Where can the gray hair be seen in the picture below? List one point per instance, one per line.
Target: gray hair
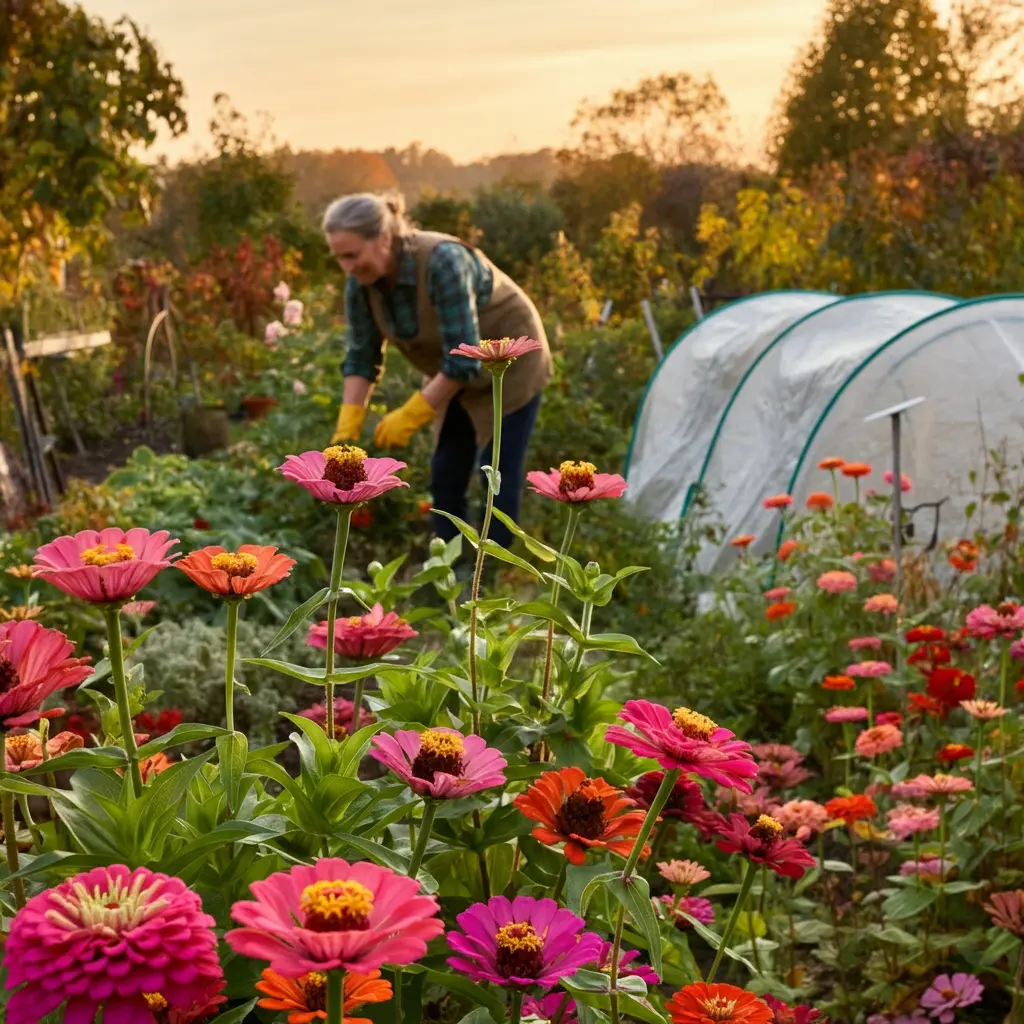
(367, 215)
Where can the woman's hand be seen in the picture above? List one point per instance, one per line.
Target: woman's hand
(396, 429)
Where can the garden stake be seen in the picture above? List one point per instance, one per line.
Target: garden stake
(337, 565)
(10, 830)
(116, 656)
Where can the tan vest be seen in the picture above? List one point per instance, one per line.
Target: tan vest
(508, 314)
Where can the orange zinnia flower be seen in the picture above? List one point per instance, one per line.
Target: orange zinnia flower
(819, 501)
(786, 548)
(851, 808)
(306, 997)
(743, 541)
(151, 767)
(779, 610)
(839, 683)
(831, 463)
(234, 574)
(962, 564)
(855, 469)
(701, 1003)
(581, 813)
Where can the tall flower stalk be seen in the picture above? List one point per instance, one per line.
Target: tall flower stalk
(734, 917)
(229, 670)
(10, 829)
(567, 539)
(337, 566)
(335, 997)
(115, 645)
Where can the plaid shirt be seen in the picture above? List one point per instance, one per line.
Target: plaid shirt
(458, 285)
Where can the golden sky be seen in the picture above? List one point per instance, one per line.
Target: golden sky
(469, 77)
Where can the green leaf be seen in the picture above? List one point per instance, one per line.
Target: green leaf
(495, 550)
(714, 940)
(463, 527)
(316, 676)
(296, 619)
(237, 1015)
(15, 784)
(188, 732)
(908, 903)
(232, 752)
(224, 834)
(94, 757)
(618, 643)
(322, 746)
(635, 895)
(469, 990)
(534, 546)
(57, 859)
(481, 1015)
(582, 882)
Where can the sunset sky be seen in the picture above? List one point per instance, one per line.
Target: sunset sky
(469, 77)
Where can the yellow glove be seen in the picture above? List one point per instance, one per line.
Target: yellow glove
(350, 423)
(395, 430)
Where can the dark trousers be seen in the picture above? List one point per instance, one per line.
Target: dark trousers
(457, 459)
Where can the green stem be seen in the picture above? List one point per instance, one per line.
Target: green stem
(1016, 1016)
(429, 810)
(660, 799)
(613, 978)
(485, 875)
(485, 527)
(26, 814)
(357, 704)
(570, 533)
(588, 614)
(1004, 673)
(335, 997)
(977, 762)
(560, 883)
(337, 566)
(10, 829)
(229, 671)
(730, 927)
(116, 647)
(516, 1010)
(396, 999)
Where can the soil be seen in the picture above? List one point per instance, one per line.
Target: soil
(105, 455)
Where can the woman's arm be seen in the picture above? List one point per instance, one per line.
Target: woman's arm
(441, 390)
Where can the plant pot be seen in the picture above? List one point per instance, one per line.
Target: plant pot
(257, 406)
(204, 429)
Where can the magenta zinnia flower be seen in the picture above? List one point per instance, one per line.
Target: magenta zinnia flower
(364, 636)
(784, 1014)
(696, 907)
(440, 763)
(685, 740)
(343, 715)
(107, 566)
(110, 937)
(869, 669)
(930, 869)
(342, 474)
(35, 662)
(626, 957)
(948, 994)
(555, 1006)
(987, 622)
(334, 915)
(500, 350)
(575, 482)
(685, 803)
(840, 714)
(906, 820)
(763, 843)
(522, 943)
(864, 643)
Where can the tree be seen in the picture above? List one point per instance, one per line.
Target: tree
(881, 76)
(78, 98)
(987, 37)
(518, 226)
(447, 214)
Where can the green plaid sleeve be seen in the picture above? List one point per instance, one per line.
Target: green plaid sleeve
(457, 282)
(365, 354)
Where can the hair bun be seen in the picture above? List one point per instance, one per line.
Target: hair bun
(395, 202)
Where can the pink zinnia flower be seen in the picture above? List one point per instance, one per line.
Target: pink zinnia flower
(802, 814)
(575, 482)
(879, 739)
(440, 763)
(25, 750)
(760, 801)
(869, 669)
(1007, 910)
(364, 636)
(343, 715)
(777, 593)
(35, 662)
(882, 604)
(905, 820)
(883, 571)
(109, 938)
(500, 350)
(521, 943)
(626, 957)
(778, 501)
(685, 740)
(889, 718)
(685, 803)
(683, 872)
(763, 843)
(983, 710)
(138, 609)
(784, 1014)
(905, 482)
(929, 869)
(839, 714)
(939, 785)
(342, 474)
(696, 907)
(333, 915)
(987, 623)
(837, 581)
(910, 789)
(555, 1006)
(107, 566)
(780, 770)
(864, 643)
(948, 994)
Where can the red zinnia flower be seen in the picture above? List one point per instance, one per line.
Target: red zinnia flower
(926, 704)
(838, 683)
(929, 657)
(743, 541)
(819, 501)
(961, 564)
(582, 813)
(925, 635)
(953, 752)
(855, 470)
(200, 524)
(779, 610)
(786, 549)
(951, 686)
(231, 574)
(784, 1014)
(851, 808)
(701, 1003)
(161, 724)
(686, 802)
(763, 843)
(778, 501)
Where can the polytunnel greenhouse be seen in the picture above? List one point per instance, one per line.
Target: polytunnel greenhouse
(755, 395)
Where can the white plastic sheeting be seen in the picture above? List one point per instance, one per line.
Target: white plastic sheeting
(760, 437)
(691, 389)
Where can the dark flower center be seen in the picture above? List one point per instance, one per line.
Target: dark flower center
(767, 830)
(9, 677)
(314, 989)
(439, 752)
(520, 951)
(343, 466)
(583, 813)
(343, 906)
(574, 475)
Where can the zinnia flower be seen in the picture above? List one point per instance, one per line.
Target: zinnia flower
(983, 710)
(889, 718)
(521, 943)
(763, 843)
(779, 610)
(906, 820)
(683, 872)
(744, 540)
(925, 635)
(779, 766)
(107, 566)
(883, 571)
(575, 482)
(685, 740)
(25, 751)
(951, 686)
(851, 808)
(837, 581)
(554, 1008)
(35, 662)
(802, 814)
(333, 915)
(839, 715)
(855, 470)
(784, 1014)
(987, 623)
(941, 785)
(948, 994)
(961, 564)
(202, 1008)
(160, 724)
(928, 869)
(864, 643)
(882, 604)
(362, 518)
(777, 594)
(344, 715)
(838, 683)
(582, 813)
(819, 501)
(305, 998)
(685, 803)
(626, 957)
(696, 907)
(929, 657)
(926, 704)
(1007, 910)
(440, 763)
(778, 501)
(831, 464)
(786, 549)
(137, 609)
(500, 350)
(701, 1003)
(109, 938)
(342, 474)
(906, 485)
(953, 752)
(229, 574)
(869, 669)
(879, 739)
(151, 767)
(362, 637)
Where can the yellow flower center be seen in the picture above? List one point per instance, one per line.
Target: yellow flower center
(241, 565)
(155, 1001)
(719, 1008)
(575, 475)
(439, 752)
(20, 572)
(314, 988)
(343, 466)
(107, 911)
(105, 554)
(21, 612)
(766, 828)
(694, 725)
(520, 951)
(20, 748)
(342, 906)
